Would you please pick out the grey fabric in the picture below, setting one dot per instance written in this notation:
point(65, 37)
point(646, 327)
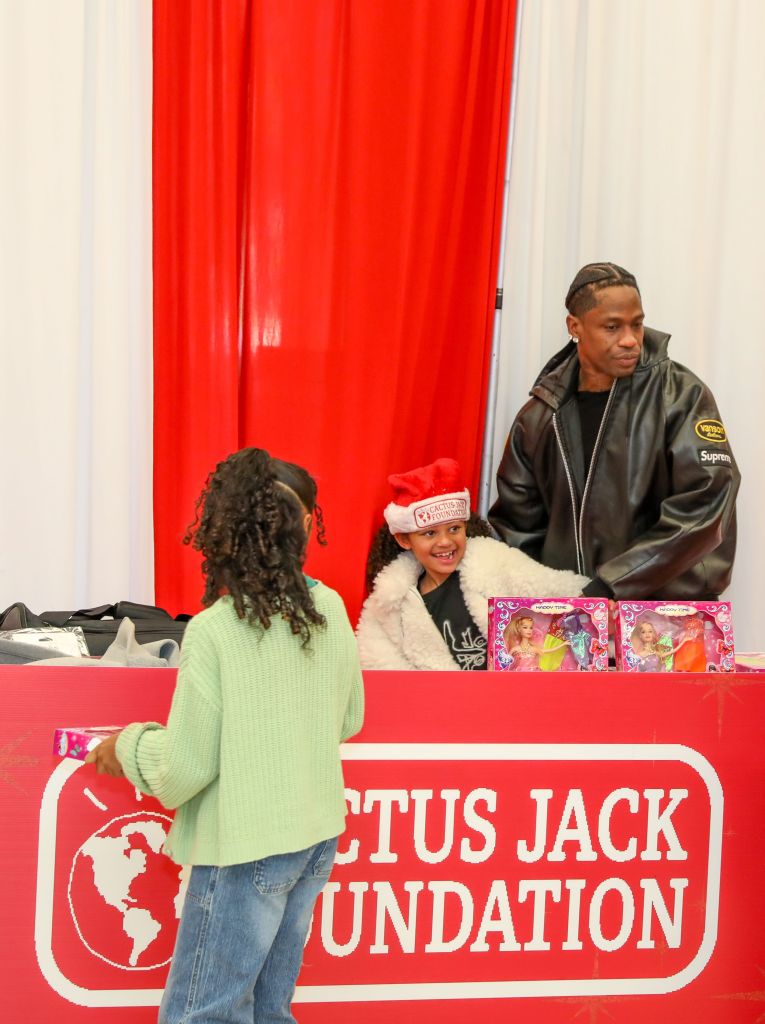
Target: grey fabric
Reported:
point(13, 653)
point(127, 652)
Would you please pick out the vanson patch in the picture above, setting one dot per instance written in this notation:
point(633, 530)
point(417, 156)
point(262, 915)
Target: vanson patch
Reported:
point(711, 430)
point(711, 458)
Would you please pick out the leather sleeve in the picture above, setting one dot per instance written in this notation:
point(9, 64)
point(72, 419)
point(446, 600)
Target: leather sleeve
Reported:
point(696, 523)
point(519, 514)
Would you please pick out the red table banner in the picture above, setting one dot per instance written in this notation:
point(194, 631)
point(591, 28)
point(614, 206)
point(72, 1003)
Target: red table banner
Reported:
point(547, 848)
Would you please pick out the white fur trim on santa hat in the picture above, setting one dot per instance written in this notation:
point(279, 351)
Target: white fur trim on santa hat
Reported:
point(421, 515)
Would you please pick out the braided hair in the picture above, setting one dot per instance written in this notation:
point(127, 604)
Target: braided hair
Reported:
point(593, 278)
point(249, 528)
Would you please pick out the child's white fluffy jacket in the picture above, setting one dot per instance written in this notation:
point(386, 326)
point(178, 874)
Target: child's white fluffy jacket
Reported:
point(395, 630)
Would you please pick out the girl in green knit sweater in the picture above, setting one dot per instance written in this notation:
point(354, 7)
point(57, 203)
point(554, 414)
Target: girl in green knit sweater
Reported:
point(268, 687)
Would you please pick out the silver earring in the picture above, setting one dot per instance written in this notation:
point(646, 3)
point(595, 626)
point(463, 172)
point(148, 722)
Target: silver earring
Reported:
point(574, 340)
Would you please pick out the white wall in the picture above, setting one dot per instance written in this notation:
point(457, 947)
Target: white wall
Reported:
point(639, 139)
point(75, 303)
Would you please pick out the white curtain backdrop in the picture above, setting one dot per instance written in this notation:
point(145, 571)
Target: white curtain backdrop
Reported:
point(639, 139)
point(75, 302)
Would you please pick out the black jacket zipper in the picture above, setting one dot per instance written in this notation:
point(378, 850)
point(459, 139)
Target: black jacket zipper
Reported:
point(578, 520)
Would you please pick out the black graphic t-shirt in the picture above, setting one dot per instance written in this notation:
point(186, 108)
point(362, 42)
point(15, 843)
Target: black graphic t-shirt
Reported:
point(448, 610)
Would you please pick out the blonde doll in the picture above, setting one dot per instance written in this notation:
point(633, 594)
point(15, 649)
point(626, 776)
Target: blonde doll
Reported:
point(518, 641)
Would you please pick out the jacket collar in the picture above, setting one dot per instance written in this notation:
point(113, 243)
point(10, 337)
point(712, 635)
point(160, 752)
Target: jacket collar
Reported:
point(398, 579)
point(401, 613)
point(559, 376)
point(395, 579)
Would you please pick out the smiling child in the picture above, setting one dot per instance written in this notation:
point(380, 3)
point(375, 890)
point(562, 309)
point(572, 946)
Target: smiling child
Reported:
point(432, 570)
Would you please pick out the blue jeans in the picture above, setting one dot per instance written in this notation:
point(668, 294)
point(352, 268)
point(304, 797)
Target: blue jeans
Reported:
point(241, 937)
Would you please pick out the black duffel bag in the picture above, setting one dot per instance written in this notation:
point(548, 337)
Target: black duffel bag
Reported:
point(100, 624)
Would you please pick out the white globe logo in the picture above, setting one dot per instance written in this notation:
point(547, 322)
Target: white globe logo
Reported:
point(125, 895)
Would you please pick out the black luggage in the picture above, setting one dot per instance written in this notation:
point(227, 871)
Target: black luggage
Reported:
point(100, 624)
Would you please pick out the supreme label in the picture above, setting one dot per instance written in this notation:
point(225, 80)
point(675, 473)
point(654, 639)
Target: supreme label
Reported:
point(714, 458)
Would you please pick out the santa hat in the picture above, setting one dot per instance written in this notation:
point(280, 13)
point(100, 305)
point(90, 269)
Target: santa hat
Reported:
point(427, 496)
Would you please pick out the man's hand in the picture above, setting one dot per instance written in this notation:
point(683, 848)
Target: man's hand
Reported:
point(104, 757)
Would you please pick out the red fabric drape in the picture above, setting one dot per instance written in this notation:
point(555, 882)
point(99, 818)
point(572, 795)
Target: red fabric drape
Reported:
point(328, 186)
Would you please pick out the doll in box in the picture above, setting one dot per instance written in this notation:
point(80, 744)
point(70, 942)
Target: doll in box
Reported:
point(654, 652)
point(519, 633)
point(661, 636)
point(690, 653)
point(553, 649)
point(663, 653)
point(576, 627)
point(573, 630)
point(556, 635)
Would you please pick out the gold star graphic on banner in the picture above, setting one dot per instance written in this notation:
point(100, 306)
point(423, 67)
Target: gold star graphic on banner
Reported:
point(756, 996)
point(10, 761)
point(593, 1006)
point(662, 950)
point(722, 685)
point(595, 1010)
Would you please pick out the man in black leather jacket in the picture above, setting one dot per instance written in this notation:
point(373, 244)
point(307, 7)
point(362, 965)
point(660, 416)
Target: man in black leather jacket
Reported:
point(619, 466)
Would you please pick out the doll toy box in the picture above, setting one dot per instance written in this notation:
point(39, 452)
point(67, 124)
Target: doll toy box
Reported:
point(674, 636)
point(78, 741)
point(548, 635)
point(750, 661)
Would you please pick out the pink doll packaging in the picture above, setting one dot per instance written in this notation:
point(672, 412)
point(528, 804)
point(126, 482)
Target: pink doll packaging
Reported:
point(546, 635)
point(76, 742)
point(674, 636)
point(750, 661)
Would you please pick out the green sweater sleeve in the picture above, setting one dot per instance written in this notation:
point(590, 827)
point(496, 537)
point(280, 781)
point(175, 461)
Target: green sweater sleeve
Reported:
point(176, 762)
point(354, 711)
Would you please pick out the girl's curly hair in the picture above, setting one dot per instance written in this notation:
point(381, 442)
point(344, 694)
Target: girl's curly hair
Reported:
point(385, 547)
point(303, 484)
point(249, 528)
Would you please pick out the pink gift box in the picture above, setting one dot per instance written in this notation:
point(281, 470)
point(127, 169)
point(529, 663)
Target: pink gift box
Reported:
point(674, 636)
point(76, 742)
point(546, 635)
point(750, 661)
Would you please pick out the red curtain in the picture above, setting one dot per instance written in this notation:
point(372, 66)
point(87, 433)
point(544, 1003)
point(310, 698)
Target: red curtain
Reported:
point(327, 189)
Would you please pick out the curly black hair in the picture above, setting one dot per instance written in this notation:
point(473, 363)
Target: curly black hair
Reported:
point(249, 528)
point(385, 547)
point(303, 484)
